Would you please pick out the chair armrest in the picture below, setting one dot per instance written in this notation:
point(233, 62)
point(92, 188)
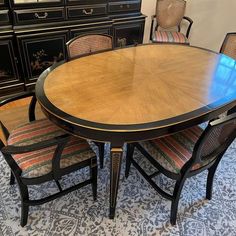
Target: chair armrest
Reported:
point(10, 149)
point(60, 141)
point(153, 27)
point(17, 97)
point(190, 25)
point(31, 112)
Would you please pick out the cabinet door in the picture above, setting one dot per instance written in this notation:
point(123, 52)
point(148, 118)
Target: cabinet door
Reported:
point(40, 51)
point(128, 34)
point(9, 80)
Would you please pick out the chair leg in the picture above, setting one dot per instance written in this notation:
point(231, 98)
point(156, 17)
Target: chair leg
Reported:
point(24, 207)
point(101, 147)
point(12, 179)
point(129, 155)
point(175, 202)
point(93, 175)
point(24, 214)
point(210, 178)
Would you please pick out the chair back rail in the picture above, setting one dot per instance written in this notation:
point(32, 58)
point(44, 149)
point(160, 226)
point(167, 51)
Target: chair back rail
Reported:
point(88, 44)
point(229, 45)
point(169, 13)
point(214, 141)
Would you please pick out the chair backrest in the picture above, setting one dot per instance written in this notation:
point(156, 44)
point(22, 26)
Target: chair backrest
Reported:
point(229, 45)
point(215, 139)
point(169, 13)
point(87, 44)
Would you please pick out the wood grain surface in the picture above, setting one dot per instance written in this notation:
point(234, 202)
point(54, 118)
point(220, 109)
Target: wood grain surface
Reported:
point(141, 84)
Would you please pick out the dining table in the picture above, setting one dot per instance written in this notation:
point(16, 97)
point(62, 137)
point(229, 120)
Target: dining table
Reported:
point(136, 93)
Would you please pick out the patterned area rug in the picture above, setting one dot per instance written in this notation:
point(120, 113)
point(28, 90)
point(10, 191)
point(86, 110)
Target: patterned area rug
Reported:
point(140, 210)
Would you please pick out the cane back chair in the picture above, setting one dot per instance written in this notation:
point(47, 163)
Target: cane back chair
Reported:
point(228, 48)
point(229, 45)
point(39, 151)
point(166, 24)
point(88, 44)
point(185, 154)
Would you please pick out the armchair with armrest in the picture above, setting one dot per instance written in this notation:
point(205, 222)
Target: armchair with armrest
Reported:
point(166, 24)
point(184, 154)
point(38, 151)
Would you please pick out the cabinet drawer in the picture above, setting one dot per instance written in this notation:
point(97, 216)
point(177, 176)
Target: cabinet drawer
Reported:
point(124, 6)
point(85, 2)
point(39, 15)
point(4, 18)
point(83, 11)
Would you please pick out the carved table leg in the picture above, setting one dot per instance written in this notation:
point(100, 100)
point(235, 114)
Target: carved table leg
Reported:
point(116, 155)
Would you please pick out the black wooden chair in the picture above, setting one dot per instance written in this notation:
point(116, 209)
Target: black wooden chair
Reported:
point(39, 151)
point(228, 48)
point(88, 44)
point(166, 24)
point(185, 154)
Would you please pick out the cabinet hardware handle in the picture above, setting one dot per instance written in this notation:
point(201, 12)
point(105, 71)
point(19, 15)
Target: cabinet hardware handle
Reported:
point(88, 12)
point(41, 17)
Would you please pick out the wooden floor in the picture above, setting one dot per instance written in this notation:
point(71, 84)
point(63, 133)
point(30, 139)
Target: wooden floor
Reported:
point(16, 113)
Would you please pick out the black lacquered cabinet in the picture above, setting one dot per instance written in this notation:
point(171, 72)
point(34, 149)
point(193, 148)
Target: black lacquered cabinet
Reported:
point(128, 33)
point(33, 33)
point(9, 76)
point(40, 51)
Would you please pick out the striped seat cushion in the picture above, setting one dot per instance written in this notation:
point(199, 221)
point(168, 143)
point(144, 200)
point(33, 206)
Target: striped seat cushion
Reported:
point(169, 37)
point(39, 163)
point(173, 151)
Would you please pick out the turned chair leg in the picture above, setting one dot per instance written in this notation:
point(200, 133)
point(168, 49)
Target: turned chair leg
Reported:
point(175, 202)
point(93, 176)
point(12, 179)
point(129, 155)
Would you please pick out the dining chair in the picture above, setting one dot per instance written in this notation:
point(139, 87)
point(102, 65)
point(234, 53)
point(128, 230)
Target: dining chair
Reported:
point(38, 151)
point(87, 44)
point(166, 24)
point(183, 155)
point(228, 48)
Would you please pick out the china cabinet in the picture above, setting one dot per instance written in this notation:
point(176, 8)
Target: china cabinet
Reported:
point(33, 33)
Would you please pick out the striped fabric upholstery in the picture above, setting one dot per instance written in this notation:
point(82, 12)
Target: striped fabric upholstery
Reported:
point(173, 151)
point(169, 37)
point(39, 163)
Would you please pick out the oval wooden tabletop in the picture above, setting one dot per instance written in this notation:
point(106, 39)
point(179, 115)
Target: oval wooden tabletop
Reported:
point(139, 86)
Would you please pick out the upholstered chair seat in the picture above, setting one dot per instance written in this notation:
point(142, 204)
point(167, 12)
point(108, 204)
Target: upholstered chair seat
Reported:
point(173, 151)
point(38, 163)
point(169, 37)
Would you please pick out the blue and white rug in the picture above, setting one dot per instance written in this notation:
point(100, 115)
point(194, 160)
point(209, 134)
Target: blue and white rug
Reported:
point(140, 210)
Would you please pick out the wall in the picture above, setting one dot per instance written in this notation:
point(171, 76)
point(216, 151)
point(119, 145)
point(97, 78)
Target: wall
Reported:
point(212, 19)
